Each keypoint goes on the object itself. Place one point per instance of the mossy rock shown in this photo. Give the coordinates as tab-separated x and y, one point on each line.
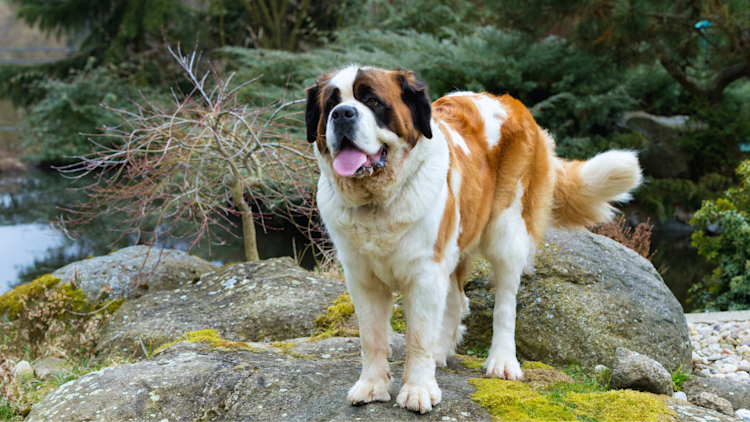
516	401
131	271
12	302
588	296
273	299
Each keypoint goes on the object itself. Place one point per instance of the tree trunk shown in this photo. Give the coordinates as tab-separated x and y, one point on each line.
248	236
248	224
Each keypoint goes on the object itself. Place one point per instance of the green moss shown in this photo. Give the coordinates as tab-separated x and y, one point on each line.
471	362
535	365
212	337
284	346
620	406
333	322
515	401
398	319
342	308
564	401
10	302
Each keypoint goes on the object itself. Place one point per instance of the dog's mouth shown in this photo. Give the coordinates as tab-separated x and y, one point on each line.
353	162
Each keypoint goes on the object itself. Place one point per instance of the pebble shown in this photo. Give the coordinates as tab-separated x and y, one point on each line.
722	350
680	395
600	368
23	368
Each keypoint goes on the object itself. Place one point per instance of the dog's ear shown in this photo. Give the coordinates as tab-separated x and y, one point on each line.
415	96
312	112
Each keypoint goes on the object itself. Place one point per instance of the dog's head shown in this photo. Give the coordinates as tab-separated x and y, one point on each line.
365	122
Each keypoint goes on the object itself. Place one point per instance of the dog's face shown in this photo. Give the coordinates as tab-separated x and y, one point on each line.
365	122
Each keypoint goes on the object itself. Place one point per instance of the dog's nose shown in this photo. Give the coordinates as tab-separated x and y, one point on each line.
344	114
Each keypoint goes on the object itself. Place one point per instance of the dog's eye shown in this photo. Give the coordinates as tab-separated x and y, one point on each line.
372	102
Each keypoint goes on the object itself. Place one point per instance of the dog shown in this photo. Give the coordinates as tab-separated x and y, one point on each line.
411	191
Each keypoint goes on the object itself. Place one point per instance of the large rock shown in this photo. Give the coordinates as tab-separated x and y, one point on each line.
133	270
634	371
662	156
245	302
190	382
713	402
589	295
737	393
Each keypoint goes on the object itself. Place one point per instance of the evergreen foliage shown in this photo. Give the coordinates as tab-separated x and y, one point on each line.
728	287
111	28
56	127
703	44
550	76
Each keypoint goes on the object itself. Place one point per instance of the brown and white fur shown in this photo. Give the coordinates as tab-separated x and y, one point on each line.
441	183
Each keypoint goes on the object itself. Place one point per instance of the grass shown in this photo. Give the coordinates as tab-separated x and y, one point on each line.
679	377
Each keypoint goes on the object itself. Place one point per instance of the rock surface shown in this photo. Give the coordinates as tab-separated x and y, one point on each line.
634	371
714	402
245	302
48	367
193	382
589	296
662	156
133	270
737	393
687	412
23	369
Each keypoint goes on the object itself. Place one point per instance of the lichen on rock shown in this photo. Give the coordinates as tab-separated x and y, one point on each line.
211	337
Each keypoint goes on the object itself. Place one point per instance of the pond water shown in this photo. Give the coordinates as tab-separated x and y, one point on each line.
29	247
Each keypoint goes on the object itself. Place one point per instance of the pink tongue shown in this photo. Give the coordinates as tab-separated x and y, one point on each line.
349	161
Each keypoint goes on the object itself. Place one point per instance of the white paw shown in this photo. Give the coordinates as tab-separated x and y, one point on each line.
419	398
368	391
504	368
440	361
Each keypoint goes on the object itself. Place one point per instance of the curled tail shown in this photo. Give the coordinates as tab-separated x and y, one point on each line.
585	188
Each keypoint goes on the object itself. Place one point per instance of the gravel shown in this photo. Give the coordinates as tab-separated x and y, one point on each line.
722	350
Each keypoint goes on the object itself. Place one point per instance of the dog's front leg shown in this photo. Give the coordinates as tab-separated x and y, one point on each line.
373	303
424	302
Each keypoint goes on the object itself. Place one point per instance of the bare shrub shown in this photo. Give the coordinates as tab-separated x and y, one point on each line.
182	170
8	390
637	239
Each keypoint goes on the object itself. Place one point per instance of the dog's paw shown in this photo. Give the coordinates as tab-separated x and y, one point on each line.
440	361
368	391
504	368
419	398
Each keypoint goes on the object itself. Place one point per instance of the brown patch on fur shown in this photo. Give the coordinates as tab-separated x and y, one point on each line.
461	271
448	221
532	157
476	170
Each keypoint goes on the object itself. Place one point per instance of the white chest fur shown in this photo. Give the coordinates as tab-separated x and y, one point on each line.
392	240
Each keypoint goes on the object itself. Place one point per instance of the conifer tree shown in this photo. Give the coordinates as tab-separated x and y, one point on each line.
112	28
704	45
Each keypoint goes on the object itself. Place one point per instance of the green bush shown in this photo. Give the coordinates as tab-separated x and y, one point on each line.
69	109
577	96
728	287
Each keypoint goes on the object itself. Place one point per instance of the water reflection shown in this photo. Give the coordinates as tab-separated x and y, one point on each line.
30	248
678	262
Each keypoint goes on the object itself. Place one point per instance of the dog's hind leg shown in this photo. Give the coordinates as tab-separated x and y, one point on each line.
456	307
509	248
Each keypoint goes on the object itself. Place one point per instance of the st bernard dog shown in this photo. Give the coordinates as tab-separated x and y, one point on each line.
412	191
